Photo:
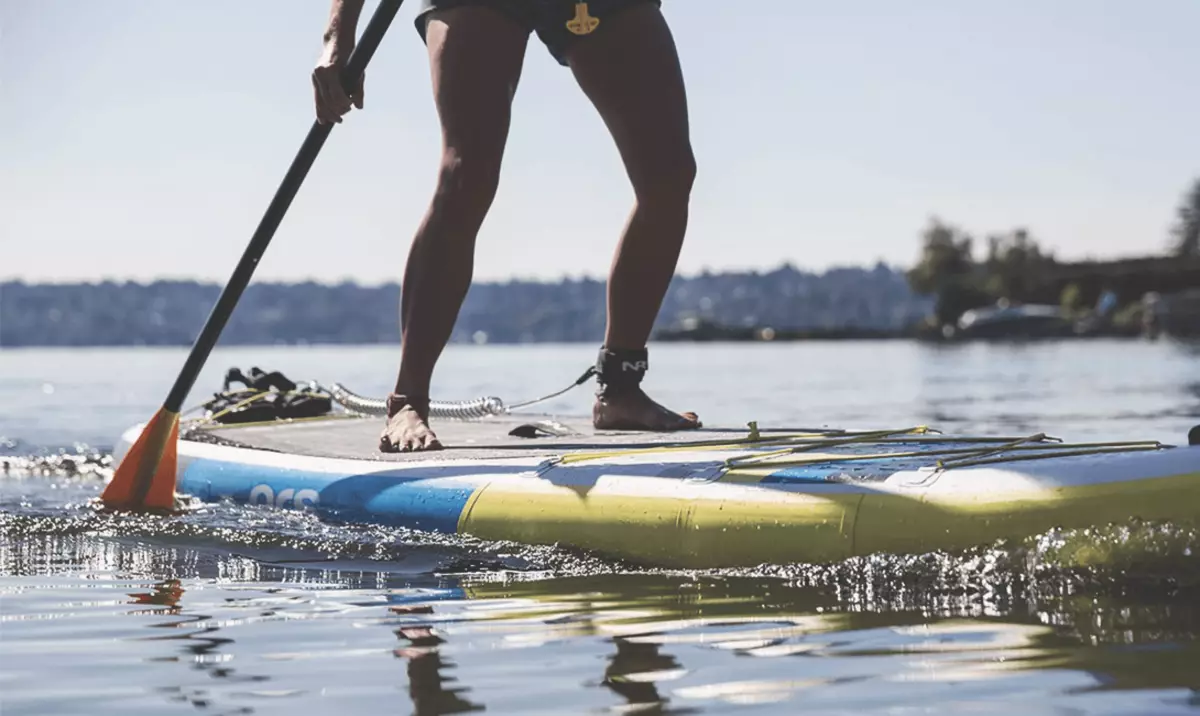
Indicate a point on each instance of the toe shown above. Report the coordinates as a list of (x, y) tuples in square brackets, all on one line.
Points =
[(685, 421), (385, 444)]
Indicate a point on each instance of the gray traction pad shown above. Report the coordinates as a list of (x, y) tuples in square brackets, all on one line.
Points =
[(358, 438)]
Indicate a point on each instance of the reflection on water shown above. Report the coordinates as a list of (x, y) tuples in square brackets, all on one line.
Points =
[(87, 628), (431, 686)]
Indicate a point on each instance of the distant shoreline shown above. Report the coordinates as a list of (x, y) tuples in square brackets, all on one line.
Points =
[(831, 336), (171, 313)]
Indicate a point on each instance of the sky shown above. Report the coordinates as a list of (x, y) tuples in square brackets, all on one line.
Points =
[(144, 140)]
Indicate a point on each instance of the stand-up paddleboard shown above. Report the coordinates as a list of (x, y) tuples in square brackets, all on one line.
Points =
[(703, 498)]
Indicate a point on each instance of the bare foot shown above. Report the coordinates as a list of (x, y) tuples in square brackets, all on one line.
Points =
[(632, 409), (407, 428)]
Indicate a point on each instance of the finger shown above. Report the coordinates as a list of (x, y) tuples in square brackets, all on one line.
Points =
[(325, 111), (358, 92), (333, 96), (319, 101), (326, 108), (332, 107), (336, 93)]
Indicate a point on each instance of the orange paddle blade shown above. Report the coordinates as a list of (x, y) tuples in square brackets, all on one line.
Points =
[(145, 479)]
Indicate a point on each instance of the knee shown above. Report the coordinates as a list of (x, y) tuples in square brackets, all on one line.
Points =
[(467, 181), (666, 177)]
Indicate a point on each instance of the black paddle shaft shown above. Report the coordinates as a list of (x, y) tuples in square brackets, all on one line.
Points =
[(363, 50)]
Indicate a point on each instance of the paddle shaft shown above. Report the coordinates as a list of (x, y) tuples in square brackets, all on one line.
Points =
[(207, 340)]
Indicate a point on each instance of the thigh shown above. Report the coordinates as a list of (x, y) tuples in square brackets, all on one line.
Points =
[(629, 69), (475, 59)]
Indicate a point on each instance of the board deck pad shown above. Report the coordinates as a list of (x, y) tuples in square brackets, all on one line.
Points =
[(488, 438), (871, 460)]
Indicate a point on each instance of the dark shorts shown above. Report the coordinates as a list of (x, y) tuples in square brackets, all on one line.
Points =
[(552, 20)]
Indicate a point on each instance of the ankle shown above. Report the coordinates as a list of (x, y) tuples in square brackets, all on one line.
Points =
[(398, 401), (610, 395), (620, 371)]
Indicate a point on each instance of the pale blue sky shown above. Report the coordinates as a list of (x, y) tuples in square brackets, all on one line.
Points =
[(144, 139)]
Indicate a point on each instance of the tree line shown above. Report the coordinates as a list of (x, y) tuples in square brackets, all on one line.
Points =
[(1014, 265), (570, 310)]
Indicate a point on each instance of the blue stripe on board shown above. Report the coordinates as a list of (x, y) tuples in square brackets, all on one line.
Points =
[(426, 503)]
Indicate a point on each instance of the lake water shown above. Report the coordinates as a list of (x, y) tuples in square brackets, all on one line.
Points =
[(230, 610)]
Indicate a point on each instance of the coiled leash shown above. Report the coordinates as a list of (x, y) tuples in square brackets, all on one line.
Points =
[(614, 371), (272, 396)]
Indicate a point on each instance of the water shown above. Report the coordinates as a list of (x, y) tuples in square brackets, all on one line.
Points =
[(236, 611)]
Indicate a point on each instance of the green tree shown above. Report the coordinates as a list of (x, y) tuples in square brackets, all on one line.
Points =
[(1013, 264), (1186, 231), (947, 268), (946, 257)]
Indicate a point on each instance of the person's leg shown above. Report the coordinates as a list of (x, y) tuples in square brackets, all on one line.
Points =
[(475, 56), (630, 71)]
